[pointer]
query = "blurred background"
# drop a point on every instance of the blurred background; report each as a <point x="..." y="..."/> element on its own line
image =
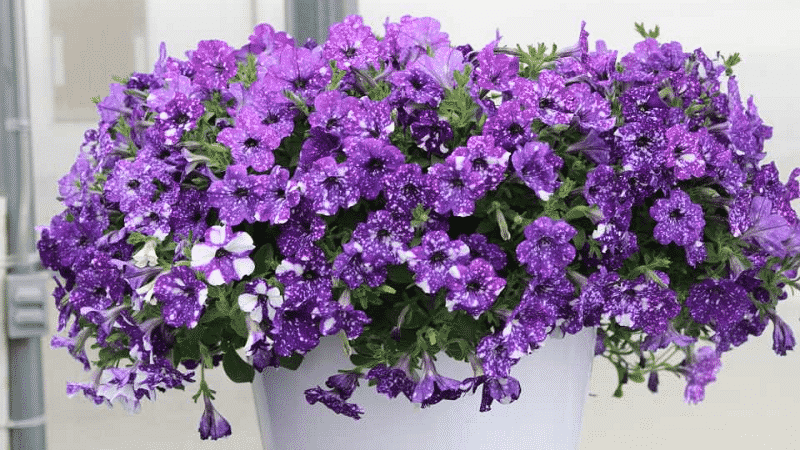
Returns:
<point x="74" y="47"/>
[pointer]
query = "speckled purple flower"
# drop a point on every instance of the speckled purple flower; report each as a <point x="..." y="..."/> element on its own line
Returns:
<point x="306" y="278"/>
<point x="433" y="387"/>
<point x="701" y="371"/>
<point x="223" y="256"/>
<point x="383" y="237"/>
<point x="178" y="116"/>
<point x="511" y="125"/>
<point x="213" y="63"/>
<point x="406" y="188"/>
<point x="182" y="295"/>
<point x="433" y="258"/>
<point x="721" y="302"/>
<point x="538" y="166"/>
<point x="212" y="424"/>
<point x="546" y="249"/>
<point x="250" y="141"/>
<point x="485" y="158"/>
<point x="480" y="247"/>
<point x="238" y="195"/>
<point x="351" y="44"/>
<point x="457" y="185"/>
<point x="683" y="153"/>
<point x="330" y="186"/>
<point x="473" y="288"/>
<point x="370" y="161"/>
<point x="679" y="220"/>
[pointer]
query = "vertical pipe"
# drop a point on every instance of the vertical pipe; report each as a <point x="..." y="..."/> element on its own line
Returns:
<point x="26" y="403"/>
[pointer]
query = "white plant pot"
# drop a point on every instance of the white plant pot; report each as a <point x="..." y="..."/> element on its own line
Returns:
<point x="548" y="414"/>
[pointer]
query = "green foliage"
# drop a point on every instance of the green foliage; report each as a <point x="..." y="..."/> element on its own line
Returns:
<point x="647" y="33"/>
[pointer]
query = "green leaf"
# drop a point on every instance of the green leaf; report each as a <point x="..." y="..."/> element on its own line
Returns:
<point x="636" y="377"/>
<point x="238" y="322"/>
<point x="236" y="368"/>
<point x="291" y="362"/>
<point x="645" y="33"/>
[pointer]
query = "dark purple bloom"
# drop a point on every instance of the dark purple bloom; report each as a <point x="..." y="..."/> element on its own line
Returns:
<point x="370" y="161"/>
<point x="485" y="158"/>
<point x="473" y="288"/>
<point x="331" y="186"/>
<point x="352" y="267"/>
<point x="335" y="317"/>
<point x="683" y="153"/>
<point x="495" y="71"/>
<point x="178" y="116"/>
<point x="679" y="220"/>
<point x="212" y="424"/>
<point x="189" y="214"/>
<point x="458" y="186"/>
<point x="511" y="125"/>
<point x="433" y="258"/>
<point x="299" y="70"/>
<point x="406" y="188"/>
<point x="224" y="255"/>
<point x="416" y="87"/>
<point x="392" y="380"/>
<point x="343" y="384"/>
<point x="430" y="132"/>
<point x="238" y="196"/>
<point x="383" y="237"/>
<point x="250" y="141"/>
<point x="334" y="401"/>
<point x="318" y="145"/>
<point x="183" y="297"/>
<point x="480" y="247"/>
<point x="330" y="112"/>
<point x="546" y="249"/>
<point x="369" y="119"/>
<point x="538" y="167"/>
<point x="723" y="302"/>
<point x="279" y="197"/>
<point x="75" y="345"/>
<point x="642" y="303"/>
<point x="433" y="387"/>
<point x="306" y="278"/>
<point x="592" y="111"/>
<point x="303" y="228"/>
<point x="542" y="304"/>
<point x="782" y="336"/>
<point x="495" y="355"/>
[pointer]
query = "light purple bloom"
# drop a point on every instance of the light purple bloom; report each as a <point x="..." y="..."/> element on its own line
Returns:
<point x="701" y="371"/>
<point x="538" y="167"/>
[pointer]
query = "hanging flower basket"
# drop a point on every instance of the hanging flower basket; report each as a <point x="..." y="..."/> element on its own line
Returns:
<point x="436" y="207"/>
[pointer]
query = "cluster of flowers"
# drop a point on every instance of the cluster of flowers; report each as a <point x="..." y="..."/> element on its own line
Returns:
<point x="418" y="198"/>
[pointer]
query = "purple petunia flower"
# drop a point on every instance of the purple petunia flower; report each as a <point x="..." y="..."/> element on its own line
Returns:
<point x="721" y="302"/>
<point x="213" y="63"/>
<point x="406" y="188"/>
<point x="480" y="247"/>
<point x="683" y="153"/>
<point x="330" y="186"/>
<point x="678" y="219"/>
<point x="546" y="249"/>
<point x="351" y="44"/>
<point x="473" y="288"/>
<point x="334" y="401"/>
<point x="485" y="158"/>
<point x="433" y="258"/>
<point x="212" y="424"/>
<point x="250" y="141"/>
<point x="511" y="125"/>
<point x="306" y="278"/>
<point x="370" y="160"/>
<point x="392" y="381"/>
<point x="223" y="256"/>
<point x="177" y="116"/>
<point x="457" y="184"/>
<point x="383" y="237"/>
<point x="238" y="196"/>
<point x="538" y="166"/>
<point x="433" y="387"/>
<point x="183" y="297"/>
<point x="700" y="372"/>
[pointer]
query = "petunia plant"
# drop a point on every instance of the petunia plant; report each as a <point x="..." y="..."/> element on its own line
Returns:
<point x="417" y="198"/>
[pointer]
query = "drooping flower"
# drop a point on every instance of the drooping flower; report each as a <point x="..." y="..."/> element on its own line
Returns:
<point x="701" y="371"/>
<point x="212" y="425"/>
